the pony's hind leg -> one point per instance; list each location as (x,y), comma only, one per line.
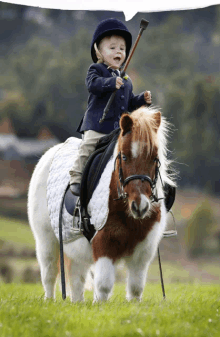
(79,256)
(47,246)
(48,258)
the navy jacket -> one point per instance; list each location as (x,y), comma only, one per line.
(100,82)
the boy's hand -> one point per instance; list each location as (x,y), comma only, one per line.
(119,82)
(147,97)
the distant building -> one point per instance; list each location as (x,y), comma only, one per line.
(14,148)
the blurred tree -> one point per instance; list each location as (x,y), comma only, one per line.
(13,10)
(67,92)
(200,133)
(199,229)
(216,33)
(14,104)
(42,73)
(165,49)
(30,68)
(16,107)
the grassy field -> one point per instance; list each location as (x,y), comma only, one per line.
(16,232)
(189,310)
(17,249)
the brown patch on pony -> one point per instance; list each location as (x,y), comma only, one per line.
(121,233)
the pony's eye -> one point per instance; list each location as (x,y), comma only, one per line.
(124,157)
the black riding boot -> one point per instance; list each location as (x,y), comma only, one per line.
(75,189)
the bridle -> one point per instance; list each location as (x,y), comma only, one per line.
(142,177)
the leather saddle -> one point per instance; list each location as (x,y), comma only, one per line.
(77,206)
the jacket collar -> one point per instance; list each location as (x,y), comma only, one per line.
(114,71)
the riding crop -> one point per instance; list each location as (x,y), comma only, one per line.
(143,25)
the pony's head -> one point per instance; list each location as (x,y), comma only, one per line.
(138,159)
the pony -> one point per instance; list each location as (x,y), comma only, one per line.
(136,213)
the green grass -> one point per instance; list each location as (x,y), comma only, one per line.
(17,232)
(189,310)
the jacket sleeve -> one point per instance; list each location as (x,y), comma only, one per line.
(96,83)
(136,102)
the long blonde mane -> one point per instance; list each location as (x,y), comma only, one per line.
(144,128)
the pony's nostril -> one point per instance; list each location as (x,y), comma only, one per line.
(135,209)
(139,211)
(134,206)
(145,209)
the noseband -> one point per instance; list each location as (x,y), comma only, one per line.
(142,177)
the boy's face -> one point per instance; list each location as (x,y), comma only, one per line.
(113,49)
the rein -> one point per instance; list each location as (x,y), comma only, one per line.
(142,177)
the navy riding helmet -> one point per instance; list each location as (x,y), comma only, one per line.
(110,27)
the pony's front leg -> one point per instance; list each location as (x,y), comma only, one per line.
(137,274)
(104,278)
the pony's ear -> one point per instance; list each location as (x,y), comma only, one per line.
(157,120)
(126,123)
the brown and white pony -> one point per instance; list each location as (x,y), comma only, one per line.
(136,219)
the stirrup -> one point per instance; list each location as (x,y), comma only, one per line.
(77,218)
(169,234)
(172,232)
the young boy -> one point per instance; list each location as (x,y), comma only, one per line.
(110,48)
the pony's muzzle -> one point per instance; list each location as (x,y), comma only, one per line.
(140,209)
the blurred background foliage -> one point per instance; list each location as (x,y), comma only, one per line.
(199,231)
(45,55)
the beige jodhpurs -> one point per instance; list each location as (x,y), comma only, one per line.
(87,146)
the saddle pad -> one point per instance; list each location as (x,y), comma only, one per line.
(57,182)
